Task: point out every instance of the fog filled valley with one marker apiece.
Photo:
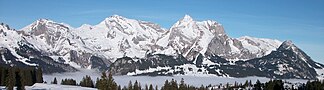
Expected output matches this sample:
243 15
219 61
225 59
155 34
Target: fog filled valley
87 79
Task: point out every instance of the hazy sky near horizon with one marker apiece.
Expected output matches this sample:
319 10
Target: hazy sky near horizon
301 21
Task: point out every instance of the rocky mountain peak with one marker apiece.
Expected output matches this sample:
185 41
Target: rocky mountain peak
117 22
287 45
4 26
42 26
184 22
84 27
117 18
186 18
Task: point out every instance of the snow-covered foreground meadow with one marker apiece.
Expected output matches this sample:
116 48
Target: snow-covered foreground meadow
159 80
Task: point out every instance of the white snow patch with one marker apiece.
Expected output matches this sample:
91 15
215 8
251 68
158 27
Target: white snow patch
42 86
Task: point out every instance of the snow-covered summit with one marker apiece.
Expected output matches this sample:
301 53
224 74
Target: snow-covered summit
42 26
4 26
84 27
8 37
117 36
287 45
186 18
191 38
262 46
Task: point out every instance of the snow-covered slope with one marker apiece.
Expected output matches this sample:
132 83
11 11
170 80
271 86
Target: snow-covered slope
9 41
118 36
187 44
15 50
57 40
259 46
191 38
42 86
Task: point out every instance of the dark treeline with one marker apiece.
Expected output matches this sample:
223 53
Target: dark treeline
68 82
20 77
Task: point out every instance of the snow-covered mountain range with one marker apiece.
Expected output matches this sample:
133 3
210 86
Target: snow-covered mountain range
187 44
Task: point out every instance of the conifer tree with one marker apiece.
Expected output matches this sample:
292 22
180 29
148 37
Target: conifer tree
130 85
28 77
166 85
182 85
146 87
106 83
151 87
10 80
174 84
1 79
250 83
20 82
246 84
33 73
257 85
102 83
112 84
39 75
89 82
136 86
139 86
86 82
97 82
3 76
119 87
54 81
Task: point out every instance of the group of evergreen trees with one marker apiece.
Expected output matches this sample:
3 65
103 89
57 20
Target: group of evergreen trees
86 82
107 83
313 85
68 82
173 85
20 77
104 83
279 85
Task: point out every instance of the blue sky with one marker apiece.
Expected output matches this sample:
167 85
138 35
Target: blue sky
300 21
